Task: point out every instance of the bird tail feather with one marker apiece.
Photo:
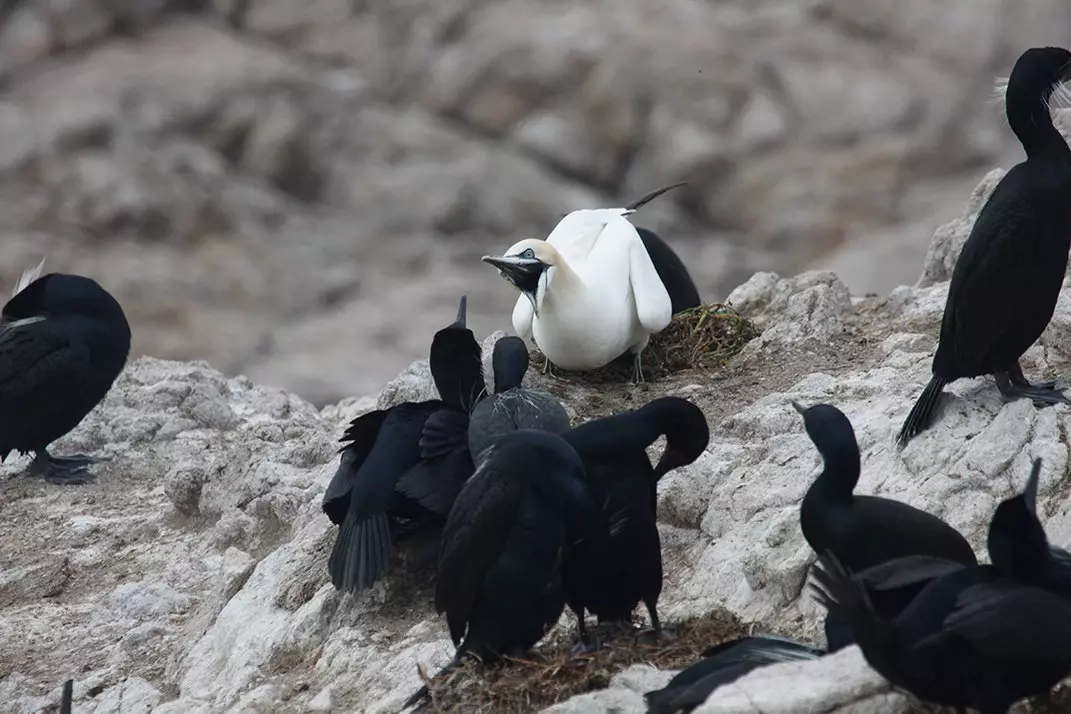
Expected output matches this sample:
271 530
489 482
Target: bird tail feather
922 413
361 552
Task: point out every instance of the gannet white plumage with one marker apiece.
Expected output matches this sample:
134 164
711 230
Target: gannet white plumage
589 291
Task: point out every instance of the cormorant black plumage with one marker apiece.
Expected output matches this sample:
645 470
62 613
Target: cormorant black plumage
63 341
499 578
866 531
512 406
622 481
1007 278
671 270
389 483
721 665
971 638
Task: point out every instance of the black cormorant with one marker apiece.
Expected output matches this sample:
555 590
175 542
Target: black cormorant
384 485
623 483
499 578
512 406
63 341
1008 276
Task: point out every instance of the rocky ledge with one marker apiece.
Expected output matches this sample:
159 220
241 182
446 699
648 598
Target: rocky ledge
191 576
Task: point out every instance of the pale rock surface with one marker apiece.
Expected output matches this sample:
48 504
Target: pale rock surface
191 576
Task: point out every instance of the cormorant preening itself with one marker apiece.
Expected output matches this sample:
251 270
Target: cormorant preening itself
67 697
63 341
972 638
383 478
589 292
512 406
866 531
1008 275
671 270
499 578
610 578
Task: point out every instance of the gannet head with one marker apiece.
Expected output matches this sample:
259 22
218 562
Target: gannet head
525 266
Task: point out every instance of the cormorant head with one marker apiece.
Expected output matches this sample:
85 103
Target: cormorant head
832 434
1036 83
509 363
62 295
456 362
525 265
686 430
1016 541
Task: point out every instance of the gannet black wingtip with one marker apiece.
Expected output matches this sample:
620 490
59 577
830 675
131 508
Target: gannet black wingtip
647 198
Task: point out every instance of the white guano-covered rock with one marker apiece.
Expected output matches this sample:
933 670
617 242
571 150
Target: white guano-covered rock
191 577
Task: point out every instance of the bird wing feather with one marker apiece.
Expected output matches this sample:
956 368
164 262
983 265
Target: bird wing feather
909 570
653 306
360 436
1010 622
473 539
37 359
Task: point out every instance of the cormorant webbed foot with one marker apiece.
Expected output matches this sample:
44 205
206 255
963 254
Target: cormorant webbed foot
64 470
1016 377
1041 394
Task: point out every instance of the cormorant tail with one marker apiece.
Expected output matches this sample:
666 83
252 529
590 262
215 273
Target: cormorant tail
361 553
424 692
68 691
922 413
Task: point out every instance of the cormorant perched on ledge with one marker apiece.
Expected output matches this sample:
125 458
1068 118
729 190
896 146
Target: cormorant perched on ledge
1008 276
63 341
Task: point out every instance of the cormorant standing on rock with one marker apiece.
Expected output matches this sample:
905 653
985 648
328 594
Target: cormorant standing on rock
590 292
723 664
866 531
499 579
1008 276
383 478
512 406
610 579
63 341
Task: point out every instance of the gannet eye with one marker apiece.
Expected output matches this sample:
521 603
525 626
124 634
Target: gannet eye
528 253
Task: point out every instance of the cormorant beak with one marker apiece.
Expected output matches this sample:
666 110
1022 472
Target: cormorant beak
524 273
799 407
462 311
1030 493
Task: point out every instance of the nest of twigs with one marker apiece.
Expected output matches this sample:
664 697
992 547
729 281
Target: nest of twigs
552 673
702 337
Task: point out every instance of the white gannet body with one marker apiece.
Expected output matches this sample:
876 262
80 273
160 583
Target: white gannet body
589 292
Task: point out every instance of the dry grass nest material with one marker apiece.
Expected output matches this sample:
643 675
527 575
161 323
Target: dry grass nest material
702 337
551 673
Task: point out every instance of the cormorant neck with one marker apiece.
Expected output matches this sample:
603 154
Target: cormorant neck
840 472
1030 120
509 369
456 364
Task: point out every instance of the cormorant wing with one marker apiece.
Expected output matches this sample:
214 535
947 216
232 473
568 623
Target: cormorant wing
361 436
39 364
1011 622
653 305
908 570
445 462
444 431
472 540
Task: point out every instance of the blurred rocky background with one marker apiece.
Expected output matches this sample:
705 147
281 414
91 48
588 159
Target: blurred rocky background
300 190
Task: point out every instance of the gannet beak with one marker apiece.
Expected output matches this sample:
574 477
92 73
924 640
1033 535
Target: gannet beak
522 272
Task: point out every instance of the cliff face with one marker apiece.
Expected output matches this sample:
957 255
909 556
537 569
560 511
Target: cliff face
192 577
280 187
